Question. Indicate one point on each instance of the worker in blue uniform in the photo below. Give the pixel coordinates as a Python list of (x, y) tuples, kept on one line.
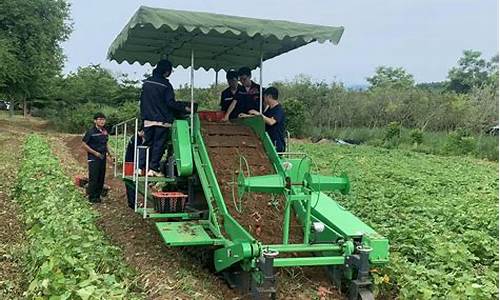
[(158, 108), (250, 96), (274, 117), (229, 103), (95, 143)]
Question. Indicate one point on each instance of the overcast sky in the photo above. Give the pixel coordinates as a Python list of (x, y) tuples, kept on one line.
[(426, 37)]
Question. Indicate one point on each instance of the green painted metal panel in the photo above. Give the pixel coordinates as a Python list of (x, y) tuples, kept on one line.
[(328, 183), (226, 257), (182, 147), (266, 184), (308, 261), (380, 248), (208, 191), (231, 228), (332, 214), (141, 179), (190, 233), (151, 213), (303, 248)]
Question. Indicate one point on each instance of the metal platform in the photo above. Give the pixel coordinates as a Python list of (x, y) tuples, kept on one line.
[(150, 179), (186, 234)]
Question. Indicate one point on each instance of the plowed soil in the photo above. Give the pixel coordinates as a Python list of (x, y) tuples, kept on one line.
[(12, 236), (261, 214)]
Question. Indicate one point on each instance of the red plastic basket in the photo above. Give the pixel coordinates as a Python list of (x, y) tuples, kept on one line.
[(81, 180), (169, 202), (211, 116), (129, 168)]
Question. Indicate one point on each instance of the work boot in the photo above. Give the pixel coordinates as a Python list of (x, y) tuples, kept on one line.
[(153, 173)]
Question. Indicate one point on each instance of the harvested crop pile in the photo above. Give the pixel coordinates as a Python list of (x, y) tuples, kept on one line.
[(261, 214)]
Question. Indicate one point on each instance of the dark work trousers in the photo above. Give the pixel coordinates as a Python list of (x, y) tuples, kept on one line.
[(130, 196), (97, 173), (155, 137)]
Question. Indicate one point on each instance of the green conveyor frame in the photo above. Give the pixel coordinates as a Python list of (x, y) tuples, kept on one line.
[(342, 234)]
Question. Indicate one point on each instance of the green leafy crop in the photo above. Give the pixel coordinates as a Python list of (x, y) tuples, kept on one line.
[(68, 257), (439, 213)]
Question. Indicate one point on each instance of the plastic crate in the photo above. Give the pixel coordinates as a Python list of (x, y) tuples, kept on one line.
[(129, 168), (81, 181), (169, 202), (211, 116)]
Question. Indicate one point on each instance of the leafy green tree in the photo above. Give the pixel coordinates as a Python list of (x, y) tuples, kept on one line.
[(472, 71), (436, 86), (295, 117), (391, 77), (30, 35), (91, 84), (129, 90)]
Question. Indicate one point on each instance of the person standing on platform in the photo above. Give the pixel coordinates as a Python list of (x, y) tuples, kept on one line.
[(274, 117), (158, 108), (229, 103)]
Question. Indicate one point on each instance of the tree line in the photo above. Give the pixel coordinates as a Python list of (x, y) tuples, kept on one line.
[(31, 33), (468, 99), (31, 61)]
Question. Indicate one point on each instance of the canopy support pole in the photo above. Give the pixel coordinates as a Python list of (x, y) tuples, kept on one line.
[(260, 79), (192, 93)]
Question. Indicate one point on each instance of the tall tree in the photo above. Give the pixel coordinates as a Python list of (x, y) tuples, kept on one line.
[(391, 77), (32, 31), (472, 71), (92, 83)]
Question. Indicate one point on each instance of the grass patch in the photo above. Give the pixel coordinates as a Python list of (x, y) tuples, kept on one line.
[(440, 215), (68, 257), (439, 143)]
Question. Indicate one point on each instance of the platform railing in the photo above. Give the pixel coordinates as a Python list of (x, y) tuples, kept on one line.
[(122, 127)]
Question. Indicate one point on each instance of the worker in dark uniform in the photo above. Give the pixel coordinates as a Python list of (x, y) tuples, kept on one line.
[(129, 157), (158, 106), (274, 117), (230, 96), (250, 97), (95, 143)]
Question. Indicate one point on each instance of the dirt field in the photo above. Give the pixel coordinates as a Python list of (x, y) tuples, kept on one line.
[(12, 238)]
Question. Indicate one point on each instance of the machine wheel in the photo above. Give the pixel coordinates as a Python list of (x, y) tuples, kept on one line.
[(365, 294)]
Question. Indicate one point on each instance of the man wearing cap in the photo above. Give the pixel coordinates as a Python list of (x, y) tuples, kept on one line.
[(95, 143), (158, 107), (250, 97), (229, 97)]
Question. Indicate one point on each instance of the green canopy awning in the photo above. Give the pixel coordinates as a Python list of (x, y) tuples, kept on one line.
[(218, 41)]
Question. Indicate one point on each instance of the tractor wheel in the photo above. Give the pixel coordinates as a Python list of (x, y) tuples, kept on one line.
[(365, 294)]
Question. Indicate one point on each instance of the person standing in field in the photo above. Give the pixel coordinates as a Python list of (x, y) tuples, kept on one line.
[(95, 143), (274, 117), (229, 97), (158, 107)]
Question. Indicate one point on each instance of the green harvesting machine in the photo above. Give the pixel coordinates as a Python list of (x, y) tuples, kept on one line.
[(330, 237)]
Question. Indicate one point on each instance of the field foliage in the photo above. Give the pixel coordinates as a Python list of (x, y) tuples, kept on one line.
[(440, 215), (67, 256)]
